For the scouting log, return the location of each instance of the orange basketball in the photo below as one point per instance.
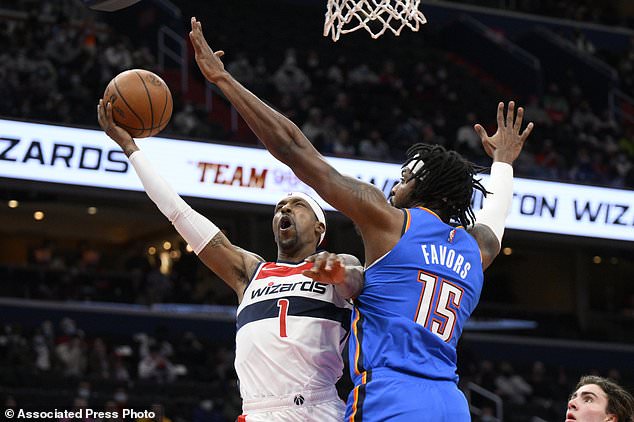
(141, 102)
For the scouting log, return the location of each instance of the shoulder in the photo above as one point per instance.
(257, 257)
(487, 242)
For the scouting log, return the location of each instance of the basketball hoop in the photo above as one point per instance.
(375, 16)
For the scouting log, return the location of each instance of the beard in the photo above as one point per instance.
(287, 243)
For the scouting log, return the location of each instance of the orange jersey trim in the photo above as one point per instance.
(430, 211)
(356, 340)
(408, 220)
(355, 403)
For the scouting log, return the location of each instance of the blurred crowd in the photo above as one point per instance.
(528, 390)
(128, 275)
(595, 11)
(193, 379)
(56, 59)
(115, 373)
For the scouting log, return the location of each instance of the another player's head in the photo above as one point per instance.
(597, 399)
(298, 221)
(440, 180)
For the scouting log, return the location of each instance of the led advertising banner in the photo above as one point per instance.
(84, 157)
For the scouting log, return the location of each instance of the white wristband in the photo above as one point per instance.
(497, 205)
(193, 227)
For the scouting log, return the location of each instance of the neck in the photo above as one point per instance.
(297, 255)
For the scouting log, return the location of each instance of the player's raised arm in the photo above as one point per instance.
(234, 265)
(504, 147)
(362, 202)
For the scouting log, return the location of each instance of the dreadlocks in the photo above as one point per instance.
(444, 181)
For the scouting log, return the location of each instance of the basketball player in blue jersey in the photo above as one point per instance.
(291, 330)
(423, 274)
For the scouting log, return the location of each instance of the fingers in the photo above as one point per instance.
(104, 115)
(325, 266)
(518, 120)
(481, 131)
(201, 46)
(196, 34)
(324, 261)
(100, 115)
(315, 275)
(109, 118)
(526, 132)
(500, 116)
(510, 114)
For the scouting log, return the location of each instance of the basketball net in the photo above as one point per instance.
(375, 16)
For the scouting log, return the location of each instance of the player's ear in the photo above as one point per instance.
(320, 227)
(612, 418)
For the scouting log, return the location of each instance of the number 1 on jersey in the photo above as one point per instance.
(283, 305)
(445, 298)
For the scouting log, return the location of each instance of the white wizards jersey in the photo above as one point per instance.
(290, 333)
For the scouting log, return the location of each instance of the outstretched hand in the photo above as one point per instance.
(115, 132)
(208, 61)
(327, 267)
(507, 142)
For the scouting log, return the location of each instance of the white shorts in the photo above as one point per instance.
(315, 406)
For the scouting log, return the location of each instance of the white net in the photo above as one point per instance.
(375, 16)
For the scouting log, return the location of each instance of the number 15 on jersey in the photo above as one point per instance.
(437, 306)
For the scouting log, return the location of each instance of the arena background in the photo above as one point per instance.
(97, 285)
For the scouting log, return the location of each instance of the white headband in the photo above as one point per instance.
(319, 212)
(415, 164)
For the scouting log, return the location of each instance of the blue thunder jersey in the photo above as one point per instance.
(416, 300)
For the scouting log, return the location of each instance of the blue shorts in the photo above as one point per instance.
(385, 395)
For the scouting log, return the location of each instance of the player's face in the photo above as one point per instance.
(294, 223)
(589, 404)
(401, 193)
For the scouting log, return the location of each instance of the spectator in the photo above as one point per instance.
(42, 352)
(555, 104)
(374, 147)
(186, 121)
(343, 146)
(71, 357)
(541, 384)
(313, 127)
(98, 360)
(289, 79)
(242, 70)
(155, 367)
(120, 371)
(467, 140)
(511, 386)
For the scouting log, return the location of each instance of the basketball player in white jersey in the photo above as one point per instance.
(290, 329)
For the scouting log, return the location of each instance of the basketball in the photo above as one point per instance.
(141, 102)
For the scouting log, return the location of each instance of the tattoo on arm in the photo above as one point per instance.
(361, 191)
(218, 240)
(488, 243)
(241, 271)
